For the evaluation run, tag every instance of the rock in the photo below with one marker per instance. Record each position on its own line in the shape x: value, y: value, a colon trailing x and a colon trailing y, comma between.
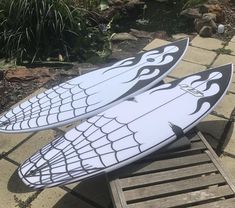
x: 41, y: 75
x: 209, y: 16
x: 206, y: 31
x: 122, y: 37
x: 191, y: 12
x: 141, y: 33
x: 204, y: 21
x: 214, y: 9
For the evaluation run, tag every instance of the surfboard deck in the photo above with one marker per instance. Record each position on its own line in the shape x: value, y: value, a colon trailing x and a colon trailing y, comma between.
x: 90, y: 94
x: 127, y: 131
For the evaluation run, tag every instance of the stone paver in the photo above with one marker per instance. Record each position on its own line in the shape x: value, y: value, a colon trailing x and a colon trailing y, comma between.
x: 207, y: 43
x: 179, y: 36
x: 233, y: 39
x: 58, y: 198
x: 10, y: 186
x: 230, y: 146
x: 185, y: 68
x: 199, y: 56
x: 223, y: 59
x: 32, y: 145
x: 229, y: 164
x: 231, y: 46
x: 95, y: 189
x: 155, y: 43
x: 226, y: 105
x: 9, y: 141
x: 168, y: 79
x: 212, y: 128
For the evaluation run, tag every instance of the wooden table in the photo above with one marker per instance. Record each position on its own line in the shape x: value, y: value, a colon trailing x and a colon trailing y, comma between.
x: 193, y: 177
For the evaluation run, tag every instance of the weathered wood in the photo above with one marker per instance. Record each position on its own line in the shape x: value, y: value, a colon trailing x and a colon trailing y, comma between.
x: 228, y: 203
x: 154, y: 191
x: 117, y: 195
x: 187, y: 198
x: 138, y: 181
x: 189, y: 177
x: 211, y: 153
x: 135, y: 169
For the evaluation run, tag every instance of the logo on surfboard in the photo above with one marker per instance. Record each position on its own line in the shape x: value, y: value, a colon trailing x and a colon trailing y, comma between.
x: 191, y: 90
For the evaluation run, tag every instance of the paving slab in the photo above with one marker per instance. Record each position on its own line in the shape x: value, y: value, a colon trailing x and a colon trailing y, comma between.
x: 11, y: 187
x: 199, y: 56
x: 233, y: 39
x: 95, y: 189
x: 212, y: 128
x: 32, y: 145
x: 226, y: 105
x: 230, y: 140
x: 179, y: 36
x: 229, y: 164
x: 185, y: 68
x: 10, y: 141
x: 58, y: 198
x: 223, y: 59
x: 231, y: 46
x: 169, y: 79
x: 155, y: 43
x: 207, y: 43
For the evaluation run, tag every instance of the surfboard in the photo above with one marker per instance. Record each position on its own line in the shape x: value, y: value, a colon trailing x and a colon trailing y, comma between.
x: 90, y: 94
x: 128, y: 131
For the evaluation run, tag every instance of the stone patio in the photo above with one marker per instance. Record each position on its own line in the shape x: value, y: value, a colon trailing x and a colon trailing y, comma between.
x: 218, y: 128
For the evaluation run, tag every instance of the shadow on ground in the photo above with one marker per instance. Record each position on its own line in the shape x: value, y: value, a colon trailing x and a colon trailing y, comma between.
x: 216, y: 132
x: 92, y: 193
x: 15, y: 184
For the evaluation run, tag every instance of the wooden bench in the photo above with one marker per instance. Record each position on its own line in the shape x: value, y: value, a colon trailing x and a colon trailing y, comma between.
x: 183, y: 178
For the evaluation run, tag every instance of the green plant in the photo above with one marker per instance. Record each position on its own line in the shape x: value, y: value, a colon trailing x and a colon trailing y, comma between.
x: 223, y: 51
x: 32, y: 30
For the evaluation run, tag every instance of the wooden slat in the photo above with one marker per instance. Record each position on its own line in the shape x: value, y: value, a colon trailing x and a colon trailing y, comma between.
x: 172, y: 187
x: 187, y: 198
x: 134, y: 169
x: 228, y: 203
x: 117, y: 195
x: 210, y: 152
x: 152, y: 178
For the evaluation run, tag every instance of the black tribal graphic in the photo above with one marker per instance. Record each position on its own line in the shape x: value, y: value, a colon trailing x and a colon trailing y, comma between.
x: 89, y: 94
x: 125, y: 132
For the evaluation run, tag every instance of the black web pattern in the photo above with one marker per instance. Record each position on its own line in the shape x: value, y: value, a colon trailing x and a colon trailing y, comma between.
x: 50, y: 104
x: 70, y: 101
x: 82, y: 155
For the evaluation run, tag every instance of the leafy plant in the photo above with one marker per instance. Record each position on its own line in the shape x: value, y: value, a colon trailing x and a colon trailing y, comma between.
x: 32, y: 30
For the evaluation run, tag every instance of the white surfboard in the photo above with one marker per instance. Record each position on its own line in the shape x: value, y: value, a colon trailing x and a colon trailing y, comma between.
x: 127, y: 131
x: 90, y: 94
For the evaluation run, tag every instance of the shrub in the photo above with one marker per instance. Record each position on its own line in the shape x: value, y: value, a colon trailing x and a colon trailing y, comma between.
x: 32, y: 30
